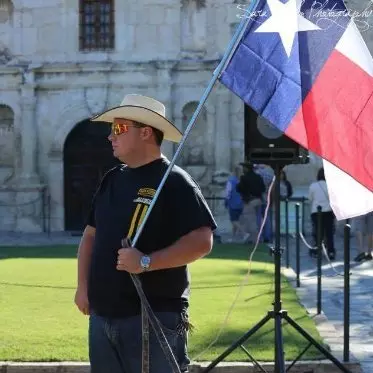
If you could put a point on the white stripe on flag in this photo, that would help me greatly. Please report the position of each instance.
(348, 198)
(353, 46)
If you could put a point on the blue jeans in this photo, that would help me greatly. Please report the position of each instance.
(115, 345)
(267, 229)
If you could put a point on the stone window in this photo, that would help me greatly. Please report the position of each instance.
(96, 25)
(195, 145)
(6, 10)
(6, 136)
(193, 28)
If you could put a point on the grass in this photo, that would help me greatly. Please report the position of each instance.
(39, 322)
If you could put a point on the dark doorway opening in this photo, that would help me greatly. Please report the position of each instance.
(87, 156)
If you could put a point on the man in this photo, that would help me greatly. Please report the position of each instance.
(178, 232)
(364, 234)
(234, 204)
(267, 174)
(251, 188)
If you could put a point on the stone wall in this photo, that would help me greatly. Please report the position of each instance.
(23, 209)
(165, 49)
(145, 30)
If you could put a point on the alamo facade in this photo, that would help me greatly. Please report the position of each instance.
(63, 61)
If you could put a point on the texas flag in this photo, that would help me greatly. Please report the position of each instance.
(304, 66)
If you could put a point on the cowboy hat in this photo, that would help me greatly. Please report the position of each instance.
(144, 110)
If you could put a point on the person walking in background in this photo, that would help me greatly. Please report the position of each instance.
(318, 196)
(286, 189)
(234, 204)
(251, 188)
(364, 233)
(266, 173)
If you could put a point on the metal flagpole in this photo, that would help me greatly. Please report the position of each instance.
(147, 313)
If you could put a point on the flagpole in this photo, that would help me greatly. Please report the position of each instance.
(225, 60)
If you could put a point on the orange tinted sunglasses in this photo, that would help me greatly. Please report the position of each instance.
(119, 128)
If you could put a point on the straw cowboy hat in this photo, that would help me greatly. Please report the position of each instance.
(144, 110)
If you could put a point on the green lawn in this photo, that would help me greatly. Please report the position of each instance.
(39, 321)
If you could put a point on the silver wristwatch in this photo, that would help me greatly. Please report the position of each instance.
(145, 262)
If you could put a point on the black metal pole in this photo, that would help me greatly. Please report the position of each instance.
(279, 350)
(297, 243)
(303, 216)
(277, 251)
(319, 257)
(322, 349)
(238, 343)
(279, 353)
(49, 212)
(346, 305)
(43, 209)
(287, 231)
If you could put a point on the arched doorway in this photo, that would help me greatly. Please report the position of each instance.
(195, 146)
(87, 156)
(7, 142)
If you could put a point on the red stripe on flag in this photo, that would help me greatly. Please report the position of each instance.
(336, 118)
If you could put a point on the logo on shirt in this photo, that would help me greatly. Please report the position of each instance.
(143, 200)
(143, 196)
(146, 192)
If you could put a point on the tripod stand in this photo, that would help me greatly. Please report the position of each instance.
(277, 314)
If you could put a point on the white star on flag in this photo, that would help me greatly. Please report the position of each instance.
(286, 21)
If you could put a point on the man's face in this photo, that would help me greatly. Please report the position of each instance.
(125, 138)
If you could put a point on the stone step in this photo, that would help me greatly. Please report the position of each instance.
(317, 366)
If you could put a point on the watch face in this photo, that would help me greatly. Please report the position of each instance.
(145, 262)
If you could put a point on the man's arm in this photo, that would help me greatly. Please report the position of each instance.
(84, 261)
(187, 249)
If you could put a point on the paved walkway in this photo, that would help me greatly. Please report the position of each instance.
(330, 323)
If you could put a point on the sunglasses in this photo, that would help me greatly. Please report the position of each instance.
(119, 128)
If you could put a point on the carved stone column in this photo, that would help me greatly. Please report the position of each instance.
(164, 75)
(178, 121)
(17, 146)
(237, 125)
(211, 127)
(223, 133)
(17, 29)
(56, 191)
(193, 28)
(28, 133)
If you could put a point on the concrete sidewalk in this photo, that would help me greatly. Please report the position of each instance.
(331, 322)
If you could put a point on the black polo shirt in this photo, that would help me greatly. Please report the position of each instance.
(117, 210)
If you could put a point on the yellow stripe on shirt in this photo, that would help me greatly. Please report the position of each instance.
(142, 216)
(133, 221)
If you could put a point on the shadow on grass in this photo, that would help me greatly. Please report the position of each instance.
(293, 342)
(219, 251)
(228, 286)
(46, 252)
(37, 286)
(259, 296)
(240, 252)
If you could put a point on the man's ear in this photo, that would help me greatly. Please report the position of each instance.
(146, 133)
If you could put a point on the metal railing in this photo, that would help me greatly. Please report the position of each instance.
(298, 205)
(320, 250)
